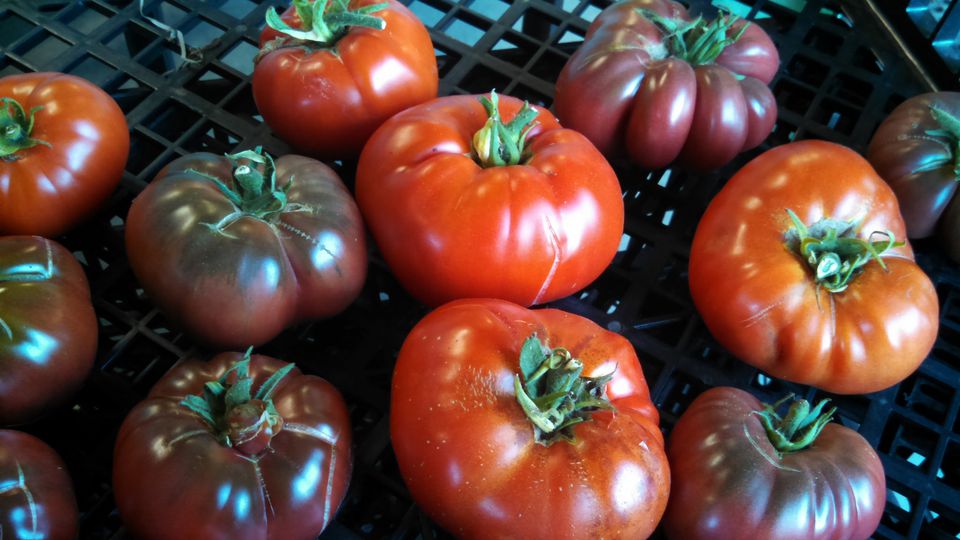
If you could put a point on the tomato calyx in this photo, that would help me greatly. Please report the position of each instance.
(497, 144)
(833, 250)
(799, 428)
(16, 125)
(698, 42)
(238, 418)
(950, 132)
(323, 23)
(554, 394)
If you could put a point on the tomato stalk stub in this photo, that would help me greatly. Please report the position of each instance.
(16, 125)
(324, 23)
(699, 41)
(497, 144)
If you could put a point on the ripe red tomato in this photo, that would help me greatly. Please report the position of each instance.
(48, 330)
(649, 81)
(324, 87)
(36, 493)
(63, 145)
(537, 217)
(741, 471)
(916, 151)
(853, 313)
(484, 466)
(239, 448)
(237, 248)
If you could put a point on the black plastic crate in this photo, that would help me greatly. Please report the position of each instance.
(841, 73)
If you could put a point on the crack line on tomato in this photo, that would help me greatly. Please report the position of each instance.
(312, 432)
(6, 329)
(30, 274)
(186, 435)
(330, 470)
(316, 242)
(758, 316)
(771, 460)
(263, 486)
(555, 242)
(31, 502)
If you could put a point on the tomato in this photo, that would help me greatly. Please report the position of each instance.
(741, 471)
(63, 148)
(852, 314)
(462, 208)
(485, 462)
(240, 447)
(48, 329)
(653, 84)
(237, 248)
(324, 87)
(36, 494)
(916, 151)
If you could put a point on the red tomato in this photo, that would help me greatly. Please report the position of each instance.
(865, 324)
(452, 227)
(213, 453)
(471, 454)
(327, 87)
(649, 81)
(36, 494)
(236, 249)
(64, 145)
(741, 471)
(48, 330)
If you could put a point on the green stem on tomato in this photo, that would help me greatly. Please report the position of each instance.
(553, 394)
(950, 130)
(497, 144)
(699, 41)
(322, 23)
(833, 250)
(16, 125)
(799, 428)
(239, 418)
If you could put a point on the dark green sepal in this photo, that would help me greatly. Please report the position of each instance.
(801, 426)
(497, 144)
(700, 41)
(16, 126)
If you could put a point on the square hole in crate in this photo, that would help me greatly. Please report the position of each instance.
(489, 8)
(777, 19)
(85, 17)
(482, 79)
(428, 13)
(165, 12)
(163, 329)
(783, 132)
(143, 362)
(465, 32)
(908, 442)
(161, 57)
(92, 69)
(769, 385)
(212, 138)
(836, 116)
(902, 504)
(663, 317)
(608, 290)
(127, 92)
(808, 70)
(524, 92)
(949, 471)
(590, 11)
(130, 40)
(926, 396)
(12, 28)
(849, 88)
(446, 59)
(515, 49)
(683, 389)
(144, 150)
(569, 40)
(240, 57)
(243, 106)
(548, 66)
(238, 8)
(171, 119)
(628, 245)
(852, 407)
(213, 84)
(202, 34)
(865, 58)
(941, 520)
(823, 40)
(792, 96)
(43, 48)
(9, 67)
(536, 24)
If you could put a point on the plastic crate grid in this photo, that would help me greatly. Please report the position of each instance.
(839, 77)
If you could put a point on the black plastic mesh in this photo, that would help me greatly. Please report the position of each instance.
(840, 76)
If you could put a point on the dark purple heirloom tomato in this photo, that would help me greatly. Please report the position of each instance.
(917, 151)
(36, 494)
(236, 248)
(48, 330)
(660, 86)
(240, 448)
(741, 471)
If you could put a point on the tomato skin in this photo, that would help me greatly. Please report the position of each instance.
(244, 287)
(628, 95)
(448, 228)
(730, 482)
(48, 190)
(760, 300)
(45, 491)
(326, 103)
(48, 329)
(173, 478)
(467, 451)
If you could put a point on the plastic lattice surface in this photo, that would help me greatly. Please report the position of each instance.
(839, 77)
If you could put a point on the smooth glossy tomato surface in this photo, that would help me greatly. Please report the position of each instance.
(175, 477)
(48, 329)
(237, 273)
(760, 299)
(47, 188)
(36, 493)
(468, 452)
(729, 481)
(450, 228)
(631, 88)
(326, 100)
